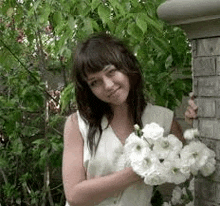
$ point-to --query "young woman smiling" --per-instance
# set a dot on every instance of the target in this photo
(110, 100)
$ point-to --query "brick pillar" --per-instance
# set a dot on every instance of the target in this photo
(200, 19)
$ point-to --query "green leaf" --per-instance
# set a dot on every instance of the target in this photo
(95, 4)
(34, 7)
(17, 146)
(3, 162)
(155, 23)
(120, 27)
(134, 31)
(141, 22)
(88, 26)
(30, 131)
(10, 12)
(118, 7)
(67, 96)
(104, 13)
(57, 19)
(71, 23)
(39, 142)
(169, 61)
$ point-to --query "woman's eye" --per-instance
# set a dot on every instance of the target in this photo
(94, 83)
(112, 72)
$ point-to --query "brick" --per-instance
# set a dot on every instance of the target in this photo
(209, 128)
(194, 47)
(218, 108)
(209, 86)
(206, 107)
(208, 47)
(195, 86)
(217, 65)
(216, 175)
(204, 66)
(200, 202)
(217, 193)
(205, 189)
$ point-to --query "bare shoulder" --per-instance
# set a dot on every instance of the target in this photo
(71, 119)
(71, 129)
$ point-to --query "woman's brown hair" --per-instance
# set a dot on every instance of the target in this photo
(92, 56)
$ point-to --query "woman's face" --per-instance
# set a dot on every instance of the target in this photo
(110, 85)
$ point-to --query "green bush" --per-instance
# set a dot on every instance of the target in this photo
(38, 36)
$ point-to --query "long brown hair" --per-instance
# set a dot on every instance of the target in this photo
(92, 56)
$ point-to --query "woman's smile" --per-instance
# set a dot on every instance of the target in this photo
(114, 93)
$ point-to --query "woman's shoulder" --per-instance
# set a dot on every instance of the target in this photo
(72, 118)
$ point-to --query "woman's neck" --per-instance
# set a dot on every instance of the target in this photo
(122, 114)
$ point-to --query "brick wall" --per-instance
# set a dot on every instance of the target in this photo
(206, 86)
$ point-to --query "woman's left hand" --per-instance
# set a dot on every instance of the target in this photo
(191, 111)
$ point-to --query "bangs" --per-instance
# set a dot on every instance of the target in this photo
(95, 55)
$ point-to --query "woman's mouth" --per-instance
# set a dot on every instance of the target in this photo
(112, 93)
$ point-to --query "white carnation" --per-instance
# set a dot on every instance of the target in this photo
(176, 195)
(192, 185)
(208, 168)
(156, 175)
(190, 134)
(190, 204)
(152, 131)
(144, 164)
(166, 204)
(175, 174)
(167, 146)
(135, 148)
(195, 155)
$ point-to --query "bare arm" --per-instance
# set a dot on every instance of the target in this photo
(79, 190)
(176, 129)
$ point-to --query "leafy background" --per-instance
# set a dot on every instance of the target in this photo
(36, 43)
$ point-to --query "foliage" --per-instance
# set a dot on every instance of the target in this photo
(38, 37)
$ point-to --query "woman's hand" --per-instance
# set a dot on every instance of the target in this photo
(191, 111)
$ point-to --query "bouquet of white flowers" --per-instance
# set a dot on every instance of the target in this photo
(160, 159)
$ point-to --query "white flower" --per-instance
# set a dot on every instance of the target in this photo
(156, 175)
(136, 127)
(176, 195)
(195, 155)
(190, 134)
(175, 174)
(152, 131)
(144, 163)
(208, 168)
(190, 204)
(135, 148)
(192, 185)
(166, 204)
(167, 146)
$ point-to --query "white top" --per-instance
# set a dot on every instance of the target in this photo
(107, 161)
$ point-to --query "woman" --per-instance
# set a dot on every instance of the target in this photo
(110, 100)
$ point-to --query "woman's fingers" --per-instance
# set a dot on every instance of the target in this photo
(192, 105)
(191, 111)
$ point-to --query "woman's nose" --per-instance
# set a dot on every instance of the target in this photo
(108, 83)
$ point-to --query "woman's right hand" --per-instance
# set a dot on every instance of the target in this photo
(191, 111)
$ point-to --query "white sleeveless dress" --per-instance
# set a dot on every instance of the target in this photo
(110, 149)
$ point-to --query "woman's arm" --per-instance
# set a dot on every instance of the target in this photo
(176, 129)
(79, 190)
